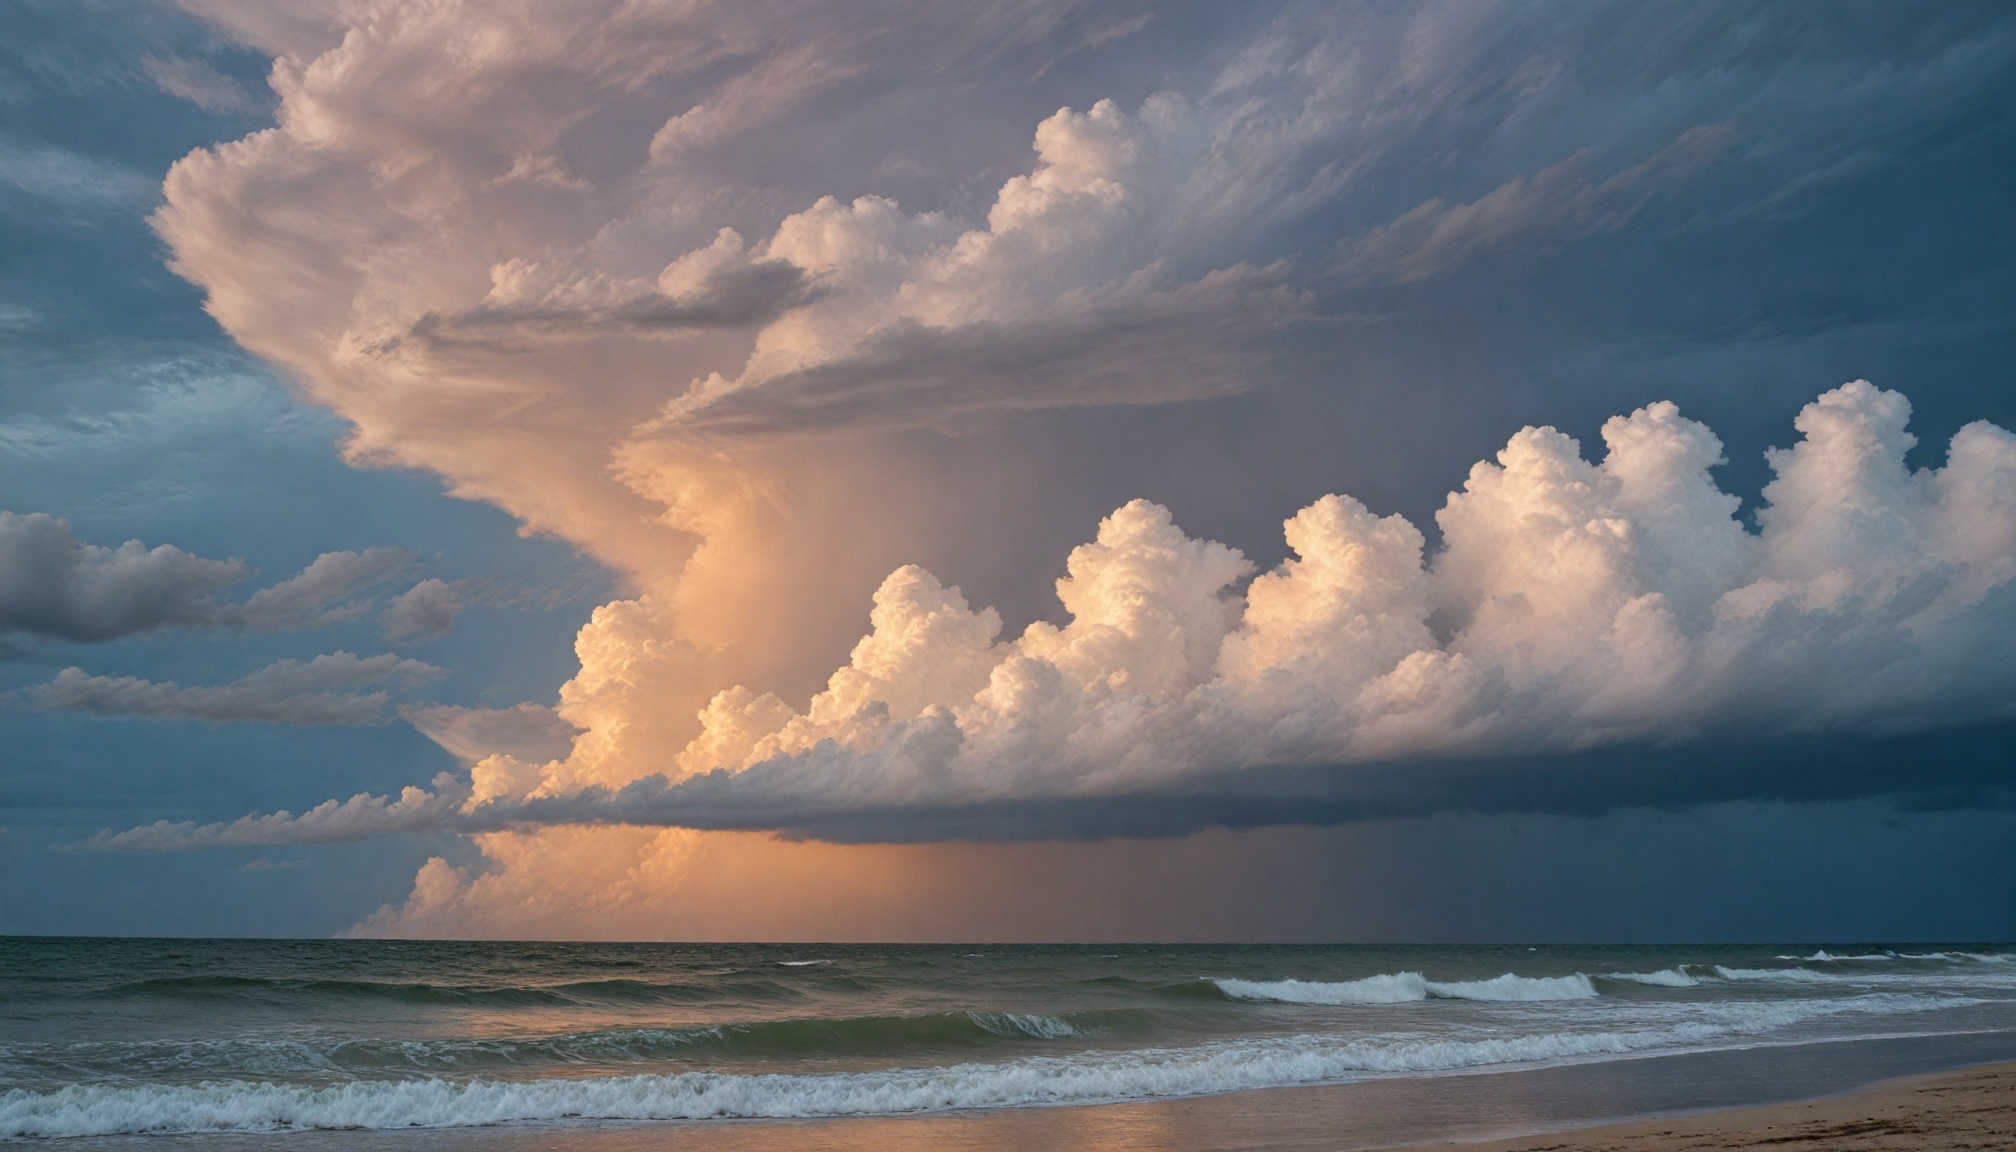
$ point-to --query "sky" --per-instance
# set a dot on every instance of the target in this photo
(1043, 470)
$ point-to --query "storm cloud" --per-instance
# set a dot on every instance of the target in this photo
(54, 585)
(785, 312)
(1580, 606)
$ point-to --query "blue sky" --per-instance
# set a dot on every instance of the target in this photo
(129, 414)
(716, 320)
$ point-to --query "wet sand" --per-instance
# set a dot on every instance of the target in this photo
(1975, 1108)
(1957, 1100)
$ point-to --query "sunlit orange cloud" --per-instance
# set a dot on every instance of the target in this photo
(496, 242)
(416, 246)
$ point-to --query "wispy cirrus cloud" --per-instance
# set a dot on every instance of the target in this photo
(1554, 207)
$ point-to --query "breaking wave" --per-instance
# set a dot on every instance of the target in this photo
(1674, 977)
(1080, 1078)
(1776, 975)
(1403, 987)
(835, 1038)
(238, 989)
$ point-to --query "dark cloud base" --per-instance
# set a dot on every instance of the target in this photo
(1965, 768)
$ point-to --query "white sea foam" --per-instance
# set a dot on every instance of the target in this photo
(1017, 1024)
(1675, 977)
(1777, 975)
(1404, 987)
(801, 963)
(1984, 978)
(1087, 1077)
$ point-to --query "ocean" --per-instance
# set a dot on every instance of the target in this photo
(428, 1043)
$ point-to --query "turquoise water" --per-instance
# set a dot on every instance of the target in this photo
(109, 1037)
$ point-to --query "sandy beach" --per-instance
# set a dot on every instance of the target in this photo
(1854, 1099)
(1971, 1108)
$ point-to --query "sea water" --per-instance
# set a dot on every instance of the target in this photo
(165, 1037)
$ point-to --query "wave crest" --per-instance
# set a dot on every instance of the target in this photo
(1083, 1078)
(1405, 987)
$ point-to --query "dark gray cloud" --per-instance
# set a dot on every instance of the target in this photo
(747, 296)
(295, 692)
(425, 611)
(1212, 338)
(1967, 768)
(316, 595)
(52, 584)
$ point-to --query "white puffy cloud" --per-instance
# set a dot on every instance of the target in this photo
(1064, 297)
(1581, 604)
(284, 692)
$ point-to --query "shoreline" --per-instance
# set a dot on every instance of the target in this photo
(1629, 1105)
(1951, 1109)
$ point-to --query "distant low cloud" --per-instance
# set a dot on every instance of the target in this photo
(284, 692)
(54, 585)
(314, 597)
(333, 821)
(425, 611)
(51, 584)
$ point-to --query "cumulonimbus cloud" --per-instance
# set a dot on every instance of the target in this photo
(1572, 606)
(753, 426)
